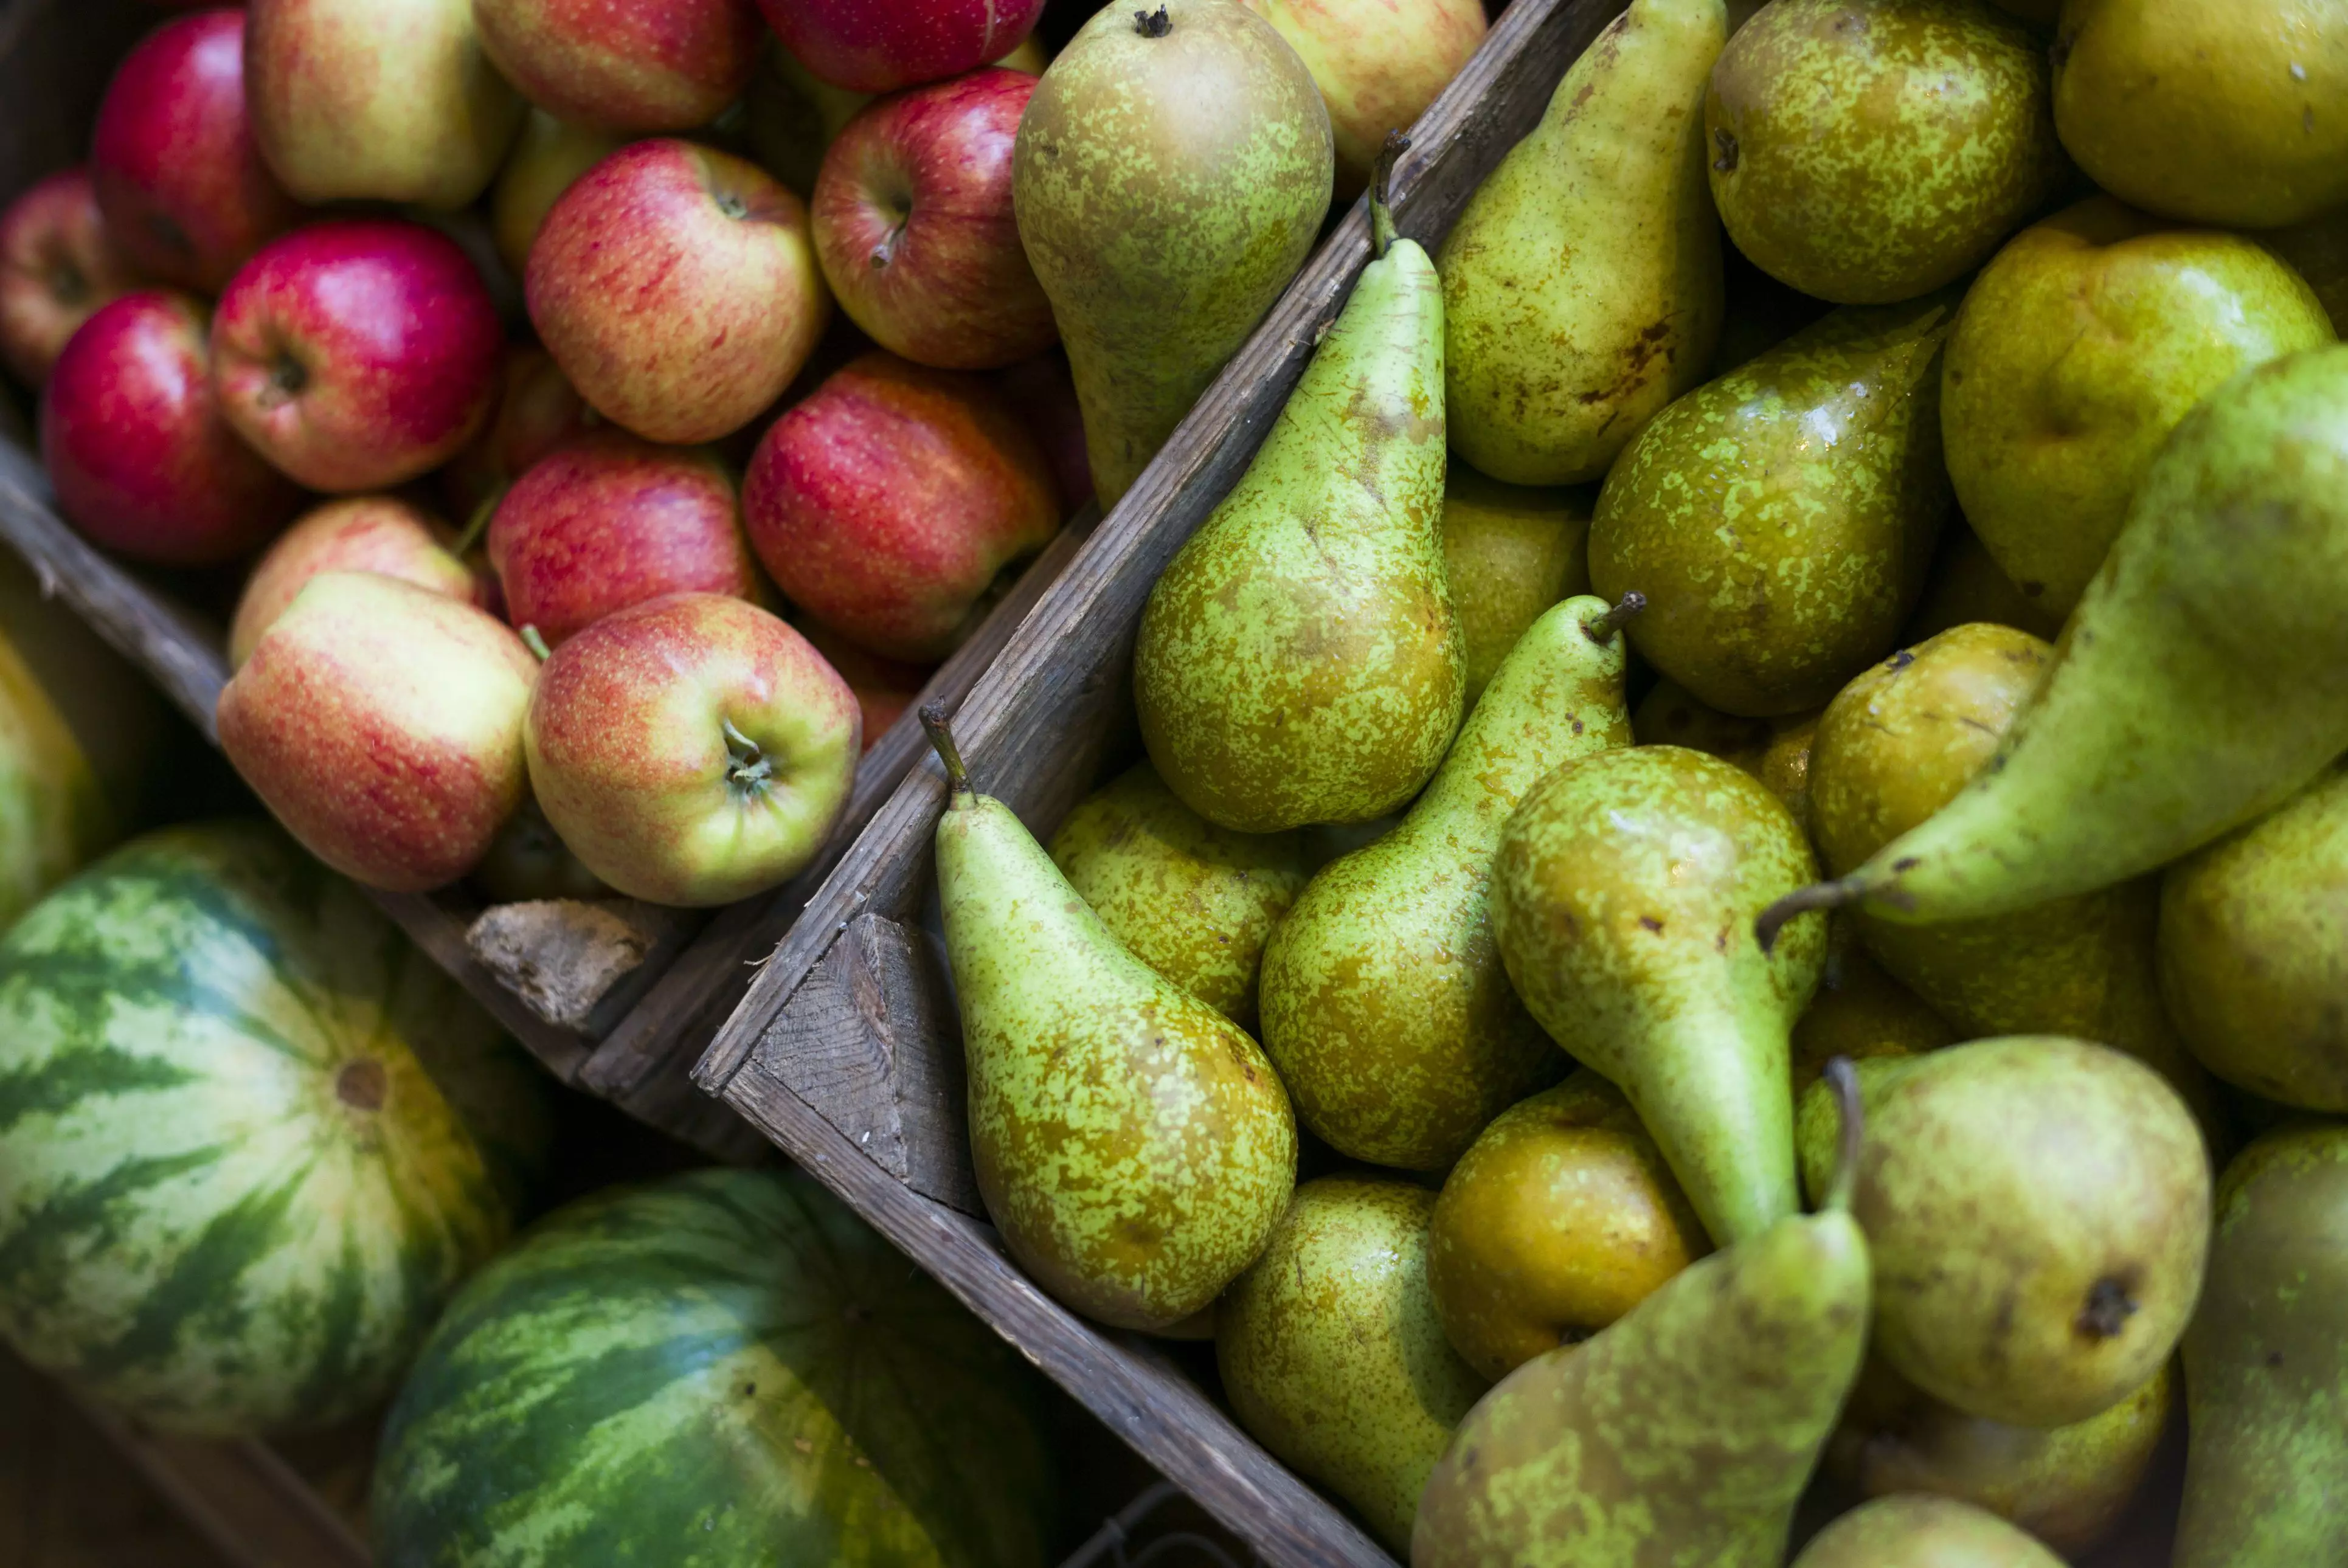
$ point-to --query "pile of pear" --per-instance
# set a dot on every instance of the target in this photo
(1748, 788)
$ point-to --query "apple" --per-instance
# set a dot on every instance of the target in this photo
(548, 155)
(677, 288)
(58, 266)
(537, 410)
(887, 503)
(389, 100)
(1044, 395)
(382, 722)
(880, 46)
(609, 519)
(141, 455)
(354, 533)
(914, 227)
(357, 353)
(692, 749)
(884, 688)
(185, 193)
(626, 65)
(1378, 63)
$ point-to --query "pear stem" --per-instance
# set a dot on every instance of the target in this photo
(1801, 901)
(933, 720)
(478, 523)
(1602, 629)
(1382, 219)
(1843, 1078)
(536, 644)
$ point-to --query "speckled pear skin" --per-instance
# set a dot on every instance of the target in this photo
(2266, 1363)
(1300, 661)
(1918, 1531)
(1778, 563)
(1132, 1145)
(1866, 151)
(1193, 901)
(1775, 750)
(1160, 228)
(1331, 1353)
(1622, 899)
(2198, 685)
(1582, 286)
(1511, 551)
(2039, 1212)
(1385, 1008)
(1679, 1437)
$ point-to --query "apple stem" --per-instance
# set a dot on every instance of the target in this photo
(1601, 630)
(478, 523)
(1153, 23)
(1799, 902)
(933, 720)
(748, 767)
(536, 644)
(1843, 1078)
(1382, 220)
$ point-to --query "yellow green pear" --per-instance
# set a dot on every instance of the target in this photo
(1330, 1352)
(1920, 1531)
(2078, 349)
(1582, 286)
(1385, 1008)
(1193, 901)
(1511, 551)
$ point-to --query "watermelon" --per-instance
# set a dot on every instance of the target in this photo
(724, 1369)
(251, 1140)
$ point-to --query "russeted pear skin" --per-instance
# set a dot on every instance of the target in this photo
(2198, 686)
(1163, 229)
(1132, 1145)
(1619, 898)
(2266, 1363)
(1582, 286)
(1330, 1352)
(1385, 1008)
(1916, 1530)
(1299, 660)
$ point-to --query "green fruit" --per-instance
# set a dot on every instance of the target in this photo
(1966, 584)
(2079, 348)
(721, 1368)
(1582, 286)
(250, 1138)
(1193, 901)
(2038, 1211)
(2266, 1362)
(2213, 111)
(1131, 1143)
(1873, 150)
(1162, 234)
(1385, 1008)
(1510, 553)
(1330, 1352)
(1620, 899)
(1775, 750)
(1775, 566)
(1298, 661)
(1922, 1532)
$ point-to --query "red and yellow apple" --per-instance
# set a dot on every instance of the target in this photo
(1378, 63)
(547, 158)
(626, 65)
(57, 267)
(880, 46)
(353, 533)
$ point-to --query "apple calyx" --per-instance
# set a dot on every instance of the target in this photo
(1153, 23)
(748, 769)
(66, 283)
(287, 377)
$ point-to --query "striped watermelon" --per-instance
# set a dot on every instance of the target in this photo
(231, 1198)
(726, 1370)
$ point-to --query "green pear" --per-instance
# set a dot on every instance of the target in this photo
(2266, 1363)
(1776, 565)
(1619, 900)
(1298, 661)
(1860, 1013)
(2038, 1210)
(1132, 1145)
(2195, 688)
(1964, 585)
(1581, 285)
(1919, 1530)
(1682, 1434)
(2078, 349)
(1193, 901)
(1385, 1008)
(2317, 250)
(2254, 951)
(1330, 1352)
(2068, 1485)
(1873, 150)
(1775, 750)
(1162, 234)
(1511, 552)
(2212, 111)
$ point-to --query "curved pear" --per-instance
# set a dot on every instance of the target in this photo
(1919, 1530)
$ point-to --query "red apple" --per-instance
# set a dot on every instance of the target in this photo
(880, 46)
(886, 503)
(137, 445)
(677, 288)
(58, 266)
(913, 225)
(629, 64)
(607, 521)
(354, 533)
(179, 175)
(692, 749)
(884, 688)
(537, 410)
(1044, 395)
(382, 723)
(358, 353)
